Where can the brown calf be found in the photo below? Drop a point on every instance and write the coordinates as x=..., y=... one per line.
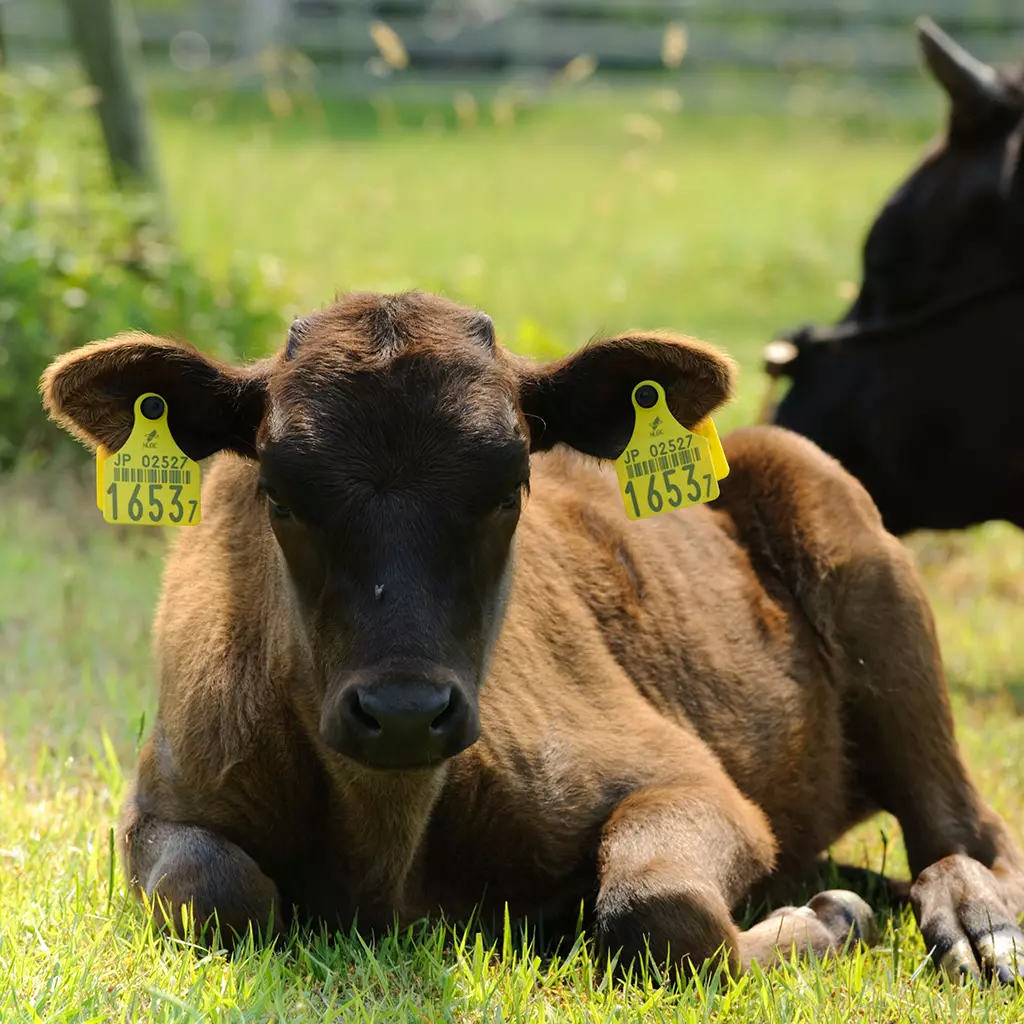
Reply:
x=392, y=683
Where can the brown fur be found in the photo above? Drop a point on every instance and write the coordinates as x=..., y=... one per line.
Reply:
x=674, y=711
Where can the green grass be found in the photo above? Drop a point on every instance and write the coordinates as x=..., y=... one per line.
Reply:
x=562, y=226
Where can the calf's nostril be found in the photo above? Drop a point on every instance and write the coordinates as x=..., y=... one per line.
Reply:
x=442, y=719
x=360, y=714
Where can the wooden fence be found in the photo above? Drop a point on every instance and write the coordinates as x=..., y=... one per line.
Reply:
x=871, y=40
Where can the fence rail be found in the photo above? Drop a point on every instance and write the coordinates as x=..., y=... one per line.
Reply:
x=852, y=37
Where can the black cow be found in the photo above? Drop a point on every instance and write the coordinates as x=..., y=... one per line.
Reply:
x=917, y=390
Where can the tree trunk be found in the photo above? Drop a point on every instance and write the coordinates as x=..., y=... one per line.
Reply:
x=104, y=38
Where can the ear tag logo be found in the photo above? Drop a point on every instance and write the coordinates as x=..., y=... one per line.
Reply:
x=665, y=466
x=149, y=481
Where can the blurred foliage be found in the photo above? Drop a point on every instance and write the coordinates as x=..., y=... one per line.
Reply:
x=79, y=261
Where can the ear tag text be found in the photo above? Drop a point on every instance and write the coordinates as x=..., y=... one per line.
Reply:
x=149, y=481
x=665, y=466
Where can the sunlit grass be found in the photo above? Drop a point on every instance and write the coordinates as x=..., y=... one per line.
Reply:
x=561, y=228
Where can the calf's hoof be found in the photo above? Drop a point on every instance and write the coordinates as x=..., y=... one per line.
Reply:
x=967, y=926
x=843, y=915
x=825, y=925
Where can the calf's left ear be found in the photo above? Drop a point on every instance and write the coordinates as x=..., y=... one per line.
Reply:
x=91, y=392
x=586, y=399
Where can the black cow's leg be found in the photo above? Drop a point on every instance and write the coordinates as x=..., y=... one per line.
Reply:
x=968, y=873
x=178, y=865
x=673, y=862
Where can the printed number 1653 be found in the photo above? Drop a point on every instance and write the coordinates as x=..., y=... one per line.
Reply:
x=673, y=494
x=155, y=496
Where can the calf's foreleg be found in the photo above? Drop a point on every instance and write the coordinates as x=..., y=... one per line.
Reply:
x=674, y=862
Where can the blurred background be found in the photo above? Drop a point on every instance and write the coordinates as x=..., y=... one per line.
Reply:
x=569, y=164
x=774, y=54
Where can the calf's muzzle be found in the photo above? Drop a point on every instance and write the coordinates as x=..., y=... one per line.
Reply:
x=400, y=719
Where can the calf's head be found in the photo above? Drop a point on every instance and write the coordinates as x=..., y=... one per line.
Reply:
x=391, y=439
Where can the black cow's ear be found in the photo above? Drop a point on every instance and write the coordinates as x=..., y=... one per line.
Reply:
x=973, y=87
x=585, y=400
x=91, y=392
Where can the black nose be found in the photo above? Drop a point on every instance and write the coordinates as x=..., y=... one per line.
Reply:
x=398, y=723
x=404, y=715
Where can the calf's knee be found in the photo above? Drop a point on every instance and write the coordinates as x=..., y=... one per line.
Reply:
x=184, y=866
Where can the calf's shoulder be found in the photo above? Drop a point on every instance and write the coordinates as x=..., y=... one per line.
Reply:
x=809, y=523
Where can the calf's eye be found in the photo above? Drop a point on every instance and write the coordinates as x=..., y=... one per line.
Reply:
x=277, y=510
x=512, y=499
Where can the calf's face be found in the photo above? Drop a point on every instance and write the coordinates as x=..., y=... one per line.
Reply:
x=393, y=440
x=394, y=472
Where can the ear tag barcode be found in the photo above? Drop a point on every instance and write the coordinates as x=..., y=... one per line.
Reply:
x=149, y=481
x=665, y=466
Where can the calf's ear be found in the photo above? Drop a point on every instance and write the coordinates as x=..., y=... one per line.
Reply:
x=585, y=400
x=91, y=392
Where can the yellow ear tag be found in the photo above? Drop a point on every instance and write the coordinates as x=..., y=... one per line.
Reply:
x=665, y=466
x=707, y=429
x=149, y=481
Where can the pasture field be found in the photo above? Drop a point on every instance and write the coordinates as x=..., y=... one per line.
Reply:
x=570, y=222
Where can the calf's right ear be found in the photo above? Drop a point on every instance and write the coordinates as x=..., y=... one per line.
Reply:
x=91, y=392
x=585, y=400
